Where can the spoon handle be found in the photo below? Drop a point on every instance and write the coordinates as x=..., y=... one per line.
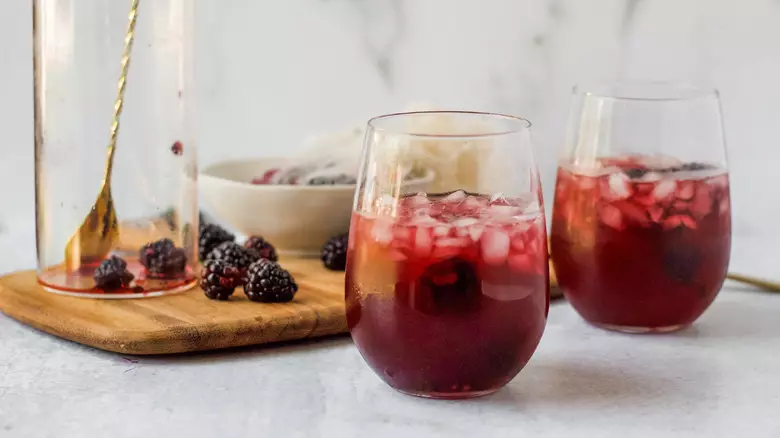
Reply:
x=121, y=85
x=764, y=284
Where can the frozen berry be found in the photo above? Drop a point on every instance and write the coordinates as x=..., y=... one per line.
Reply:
x=268, y=282
x=331, y=180
x=162, y=258
x=262, y=247
x=334, y=253
x=635, y=172
x=112, y=274
x=234, y=255
x=212, y=235
x=219, y=279
x=695, y=166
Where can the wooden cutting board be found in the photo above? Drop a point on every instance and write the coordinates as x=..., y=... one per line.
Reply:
x=183, y=322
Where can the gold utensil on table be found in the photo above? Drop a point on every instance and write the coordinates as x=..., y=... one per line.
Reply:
x=99, y=231
x=753, y=281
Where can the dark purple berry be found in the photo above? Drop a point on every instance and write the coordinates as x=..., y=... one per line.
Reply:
x=334, y=253
x=331, y=180
x=267, y=282
x=219, y=279
x=163, y=259
x=635, y=172
x=212, y=235
x=233, y=254
x=262, y=247
x=177, y=148
x=112, y=274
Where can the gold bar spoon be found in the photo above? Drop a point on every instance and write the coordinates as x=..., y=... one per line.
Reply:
x=100, y=229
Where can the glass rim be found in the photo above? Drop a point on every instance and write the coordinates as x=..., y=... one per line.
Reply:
x=648, y=91
x=522, y=124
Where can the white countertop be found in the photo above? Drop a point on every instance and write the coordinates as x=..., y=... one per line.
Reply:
x=720, y=378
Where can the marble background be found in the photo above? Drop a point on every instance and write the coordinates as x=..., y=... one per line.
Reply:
x=271, y=73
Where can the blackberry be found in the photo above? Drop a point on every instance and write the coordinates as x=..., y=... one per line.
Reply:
x=233, y=254
x=696, y=166
x=218, y=279
x=635, y=172
x=112, y=274
x=212, y=235
x=262, y=247
x=334, y=253
x=331, y=180
x=267, y=282
x=162, y=258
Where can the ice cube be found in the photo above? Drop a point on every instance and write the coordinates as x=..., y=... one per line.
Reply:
x=679, y=220
x=453, y=242
x=464, y=222
x=424, y=220
x=664, y=188
x=422, y=242
x=686, y=190
x=500, y=212
x=498, y=199
x=418, y=200
x=441, y=231
x=475, y=231
x=518, y=242
x=611, y=216
x=455, y=197
x=723, y=207
x=521, y=262
x=702, y=203
x=382, y=231
x=618, y=186
x=402, y=233
x=473, y=202
x=632, y=212
x=495, y=246
x=655, y=213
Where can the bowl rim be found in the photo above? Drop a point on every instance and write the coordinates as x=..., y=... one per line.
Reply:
x=204, y=174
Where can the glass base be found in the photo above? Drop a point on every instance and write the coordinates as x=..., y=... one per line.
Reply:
x=636, y=330
x=121, y=295
x=461, y=395
x=79, y=283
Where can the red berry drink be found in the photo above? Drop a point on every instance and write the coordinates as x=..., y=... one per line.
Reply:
x=447, y=296
x=641, y=244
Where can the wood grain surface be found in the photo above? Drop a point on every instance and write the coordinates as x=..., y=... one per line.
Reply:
x=183, y=322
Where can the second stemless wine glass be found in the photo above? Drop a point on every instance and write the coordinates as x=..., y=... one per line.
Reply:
x=447, y=278
x=641, y=228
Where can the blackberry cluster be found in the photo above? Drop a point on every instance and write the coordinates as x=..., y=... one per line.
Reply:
x=267, y=282
x=112, y=274
x=211, y=235
x=334, y=253
x=219, y=279
x=234, y=255
x=262, y=247
x=162, y=258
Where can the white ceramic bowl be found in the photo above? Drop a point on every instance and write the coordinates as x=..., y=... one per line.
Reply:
x=296, y=219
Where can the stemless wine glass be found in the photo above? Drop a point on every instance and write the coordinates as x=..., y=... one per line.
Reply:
x=641, y=228
x=447, y=278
